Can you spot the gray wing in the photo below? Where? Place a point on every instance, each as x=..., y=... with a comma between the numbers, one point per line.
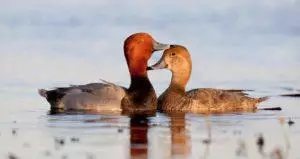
x=93, y=96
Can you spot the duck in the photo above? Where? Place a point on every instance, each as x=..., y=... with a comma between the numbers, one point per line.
x=108, y=97
x=177, y=59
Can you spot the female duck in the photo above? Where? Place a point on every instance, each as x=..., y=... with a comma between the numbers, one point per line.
x=205, y=100
x=139, y=97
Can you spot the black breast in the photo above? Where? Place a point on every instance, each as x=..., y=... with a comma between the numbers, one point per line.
x=140, y=96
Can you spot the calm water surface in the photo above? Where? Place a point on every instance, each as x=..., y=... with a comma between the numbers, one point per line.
x=29, y=131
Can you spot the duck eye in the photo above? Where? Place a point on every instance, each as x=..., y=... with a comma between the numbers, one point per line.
x=173, y=53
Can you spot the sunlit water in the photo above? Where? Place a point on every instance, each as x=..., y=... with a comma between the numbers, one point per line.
x=237, y=44
x=28, y=131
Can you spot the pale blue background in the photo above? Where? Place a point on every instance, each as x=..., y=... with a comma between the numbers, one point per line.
x=48, y=42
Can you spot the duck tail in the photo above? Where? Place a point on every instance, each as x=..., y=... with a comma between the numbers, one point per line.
x=42, y=92
x=106, y=82
x=262, y=99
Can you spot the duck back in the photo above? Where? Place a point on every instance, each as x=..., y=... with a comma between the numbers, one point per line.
x=207, y=100
x=219, y=100
x=93, y=96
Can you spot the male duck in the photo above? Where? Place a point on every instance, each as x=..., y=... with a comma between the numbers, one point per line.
x=203, y=100
x=139, y=97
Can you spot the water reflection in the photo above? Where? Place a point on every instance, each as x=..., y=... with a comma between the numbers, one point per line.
x=181, y=144
x=139, y=137
x=180, y=136
x=131, y=133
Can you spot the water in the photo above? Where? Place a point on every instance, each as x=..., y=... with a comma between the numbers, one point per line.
x=234, y=44
x=37, y=133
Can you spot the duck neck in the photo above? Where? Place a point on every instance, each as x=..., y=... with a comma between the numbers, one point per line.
x=141, y=96
x=180, y=79
x=138, y=74
x=138, y=68
x=140, y=83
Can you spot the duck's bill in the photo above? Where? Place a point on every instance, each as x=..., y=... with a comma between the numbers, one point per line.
x=161, y=64
x=159, y=46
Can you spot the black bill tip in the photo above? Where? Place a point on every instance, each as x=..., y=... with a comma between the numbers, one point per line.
x=149, y=68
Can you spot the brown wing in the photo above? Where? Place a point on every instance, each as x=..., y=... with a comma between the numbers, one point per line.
x=210, y=92
x=218, y=99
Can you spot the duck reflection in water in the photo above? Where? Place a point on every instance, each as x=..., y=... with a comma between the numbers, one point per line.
x=181, y=145
x=180, y=137
x=139, y=137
